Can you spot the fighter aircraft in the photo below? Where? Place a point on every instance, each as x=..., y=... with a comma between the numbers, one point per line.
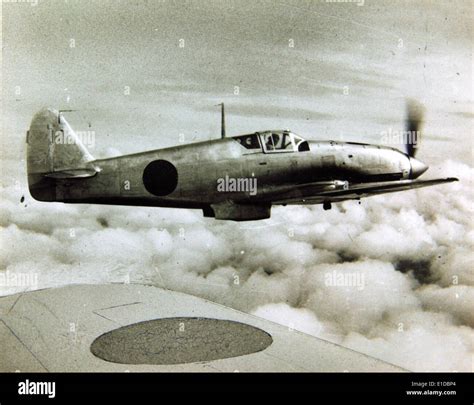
x=232, y=178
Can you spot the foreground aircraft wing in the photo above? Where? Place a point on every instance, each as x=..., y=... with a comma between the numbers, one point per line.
x=312, y=194
x=138, y=328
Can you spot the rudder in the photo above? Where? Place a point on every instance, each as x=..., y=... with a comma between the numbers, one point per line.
x=53, y=149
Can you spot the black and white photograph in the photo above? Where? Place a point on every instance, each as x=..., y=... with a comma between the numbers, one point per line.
x=255, y=190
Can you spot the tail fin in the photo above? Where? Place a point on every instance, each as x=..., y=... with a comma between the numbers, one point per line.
x=54, y=151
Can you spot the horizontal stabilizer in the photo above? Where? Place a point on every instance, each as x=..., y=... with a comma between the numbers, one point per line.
x=72, y=173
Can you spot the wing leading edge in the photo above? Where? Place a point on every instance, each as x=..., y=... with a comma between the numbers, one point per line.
x=307, y=194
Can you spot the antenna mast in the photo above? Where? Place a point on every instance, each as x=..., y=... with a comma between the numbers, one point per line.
x=222, y=120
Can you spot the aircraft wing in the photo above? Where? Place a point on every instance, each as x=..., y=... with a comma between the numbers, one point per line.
x=312, y=193
x=136, y=328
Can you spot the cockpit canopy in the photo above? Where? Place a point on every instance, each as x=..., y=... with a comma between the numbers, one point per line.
x=273, y=142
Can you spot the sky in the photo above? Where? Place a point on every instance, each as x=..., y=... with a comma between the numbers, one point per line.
x=148, y=74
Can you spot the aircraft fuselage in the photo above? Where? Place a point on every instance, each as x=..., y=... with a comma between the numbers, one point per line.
x=236, y=178
x=201, y=167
